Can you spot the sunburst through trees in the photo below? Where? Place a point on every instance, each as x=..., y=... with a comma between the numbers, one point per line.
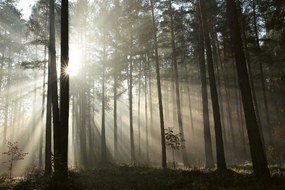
x=102, y=87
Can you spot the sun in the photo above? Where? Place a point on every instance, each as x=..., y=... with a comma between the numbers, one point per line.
x=71, y=70
x=74, y=62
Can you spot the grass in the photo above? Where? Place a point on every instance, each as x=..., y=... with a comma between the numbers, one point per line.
x=143, y=178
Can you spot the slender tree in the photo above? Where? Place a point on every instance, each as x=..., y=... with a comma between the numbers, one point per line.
x=268, y=127
x=177, y=91
x=206, y=120
x=103, y=128
x=133, y=159
x=221, y=163
x=157, y=69
x=48, y=165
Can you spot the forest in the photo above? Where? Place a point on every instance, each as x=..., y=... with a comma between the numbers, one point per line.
x=142, y=94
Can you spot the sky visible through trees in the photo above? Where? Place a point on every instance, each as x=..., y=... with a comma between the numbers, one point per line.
x=137, y=69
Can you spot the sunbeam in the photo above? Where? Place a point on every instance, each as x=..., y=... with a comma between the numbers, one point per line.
x=150, y=85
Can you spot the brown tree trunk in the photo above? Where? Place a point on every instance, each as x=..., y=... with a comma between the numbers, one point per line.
x=250, y=74
x=115, y=117
x=133, y=159
x=64, y=90
x=177, y=91
x=268, y=127
x=150, y=100
x=48, y=163
x=48, y=166
x=162, y=132
x=146, y=113
x=257, y=154
x=139, y=111
x=206, y=121
x=54, y=94
x=103, y=128
x=221, y=163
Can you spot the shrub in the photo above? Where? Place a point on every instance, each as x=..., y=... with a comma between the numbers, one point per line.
x=14, y=154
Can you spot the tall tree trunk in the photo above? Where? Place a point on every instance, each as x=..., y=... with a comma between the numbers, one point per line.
x=221, y=67
x=146, y=113
x=64, y=90
x=150, y=100
x=189, y=98
x=115, y=116
x=54, y=92
x=103, y=128
x=268, y=127
x=230, y=119
x=241, y=113
x=34, y=122
x=43, y=102
x=249, y=67
x=206, y=120
x=133, y=159
x=48, y=163
x=162, y=132
x=257, y=153
x=177, y=91
x=227, y=99
x=139, y=110
x=48, y=149
x=221, y=163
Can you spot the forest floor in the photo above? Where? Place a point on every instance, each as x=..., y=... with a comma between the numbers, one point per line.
x=142, y=178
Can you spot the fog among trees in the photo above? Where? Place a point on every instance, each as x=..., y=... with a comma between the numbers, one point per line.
x=170, y=84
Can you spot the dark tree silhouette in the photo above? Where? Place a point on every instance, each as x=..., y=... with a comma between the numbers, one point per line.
x=221, y=163
x=257, y=154
x=162, y=135
x=206, y=120
x=64, y=90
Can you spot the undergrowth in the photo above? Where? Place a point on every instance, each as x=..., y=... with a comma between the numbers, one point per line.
x=143, y=178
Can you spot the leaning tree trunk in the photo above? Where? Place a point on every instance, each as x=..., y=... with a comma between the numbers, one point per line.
x=221, y=163
x=162, y=132
x=257, y=153
x=250, y=73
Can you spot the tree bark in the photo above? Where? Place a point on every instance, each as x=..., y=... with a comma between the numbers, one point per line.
x=206, y=121
x=48, y=163
x=139, y=110
x=257, y=154
x=115, y=116
x=133, y=159
x=157, y=69
x=146, y=113
x=268, y=127
x=221, y=163
x=177, y=91
x=103, y=128
x=64, y=90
